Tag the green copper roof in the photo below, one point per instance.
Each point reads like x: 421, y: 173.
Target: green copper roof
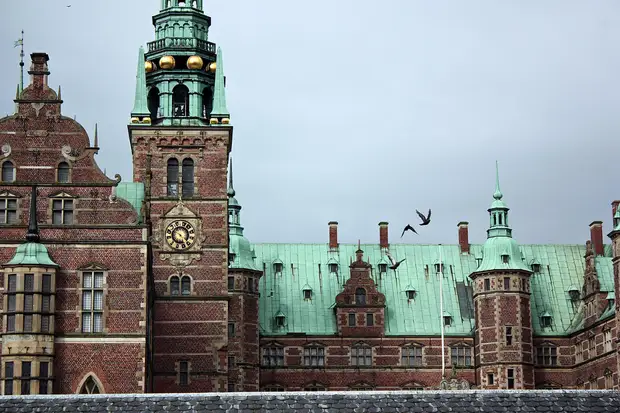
x: 561, y: 267
x: 219, y: 93
x: 243, y: 257
x: 140, y: 107
x: 132, y: 192
x: 31, y: 253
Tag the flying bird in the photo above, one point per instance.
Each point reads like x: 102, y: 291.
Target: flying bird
x: 410, y: 228
x: 395, y: 263
x: 425, y: 219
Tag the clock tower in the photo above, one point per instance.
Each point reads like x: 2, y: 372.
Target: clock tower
x: 181, y: 136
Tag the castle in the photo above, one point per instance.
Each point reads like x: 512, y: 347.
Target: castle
x: 151, y: 285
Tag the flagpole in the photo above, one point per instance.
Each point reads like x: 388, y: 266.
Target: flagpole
x: 443, y: 356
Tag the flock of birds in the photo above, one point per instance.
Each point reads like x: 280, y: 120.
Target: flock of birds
x: 426, y: 219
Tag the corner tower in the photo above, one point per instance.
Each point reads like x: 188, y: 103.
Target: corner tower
x: 502, y: 307
x: 180, y: 150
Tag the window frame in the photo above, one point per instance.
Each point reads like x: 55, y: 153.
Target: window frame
x: 308, y: 357
x: 360, y: 296
x: 363, y: 353
x: 183, y: 372
x: 95, y: 290
x: 8, y: 377
x: 412, y: 356
x: 547, y: 355
x: 508, y: 335
x: 510, y: 378
x: 8, y: 214
x: 370, y: 319
x: 467, y: 354
x: 172, y: 178
x: 188, y: 183
x: 67, y: 214
x: 4, y: 169
x: 272, y: 356
x: 68, y: 171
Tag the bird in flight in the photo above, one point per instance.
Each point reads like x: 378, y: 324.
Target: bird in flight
x: 69, y: 5
x: 425, y: 219
x: 395, y: 263
x: 408, y: 228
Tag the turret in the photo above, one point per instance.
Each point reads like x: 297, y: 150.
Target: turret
x: 29, y: 293
x: 502, y: 306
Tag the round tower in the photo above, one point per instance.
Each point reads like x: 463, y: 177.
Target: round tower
x: 503, y: 331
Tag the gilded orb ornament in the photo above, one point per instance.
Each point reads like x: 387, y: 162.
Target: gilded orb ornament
x: 167, y: 62
x: 149, y: 66
x: 195, y: 63
x: 212, y: 67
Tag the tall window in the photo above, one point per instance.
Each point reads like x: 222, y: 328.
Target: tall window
x: 180, y: 101
x: 62, y: 212
x: 63, y: 172
x: 188, y: 178
x: 186, y: 285
x: 370, y: 320
x: 43, y: 377
x: 314, y: 356
x: 361, y: 355
x: 25, y: 377
x: 180, y: 285
x: 508, y: 330
x: 506, y: 283
x: 608, y: 340
x: 547, y: 356
x: 579, y: 353
x: 411, y: 356
x: 360, y: 296
x: 351, y: 320
x: 461, y: 356
x: 183, y: 373
x: 90, y: 386
x: 8, y: 211
x: 46, y: 306
x: 510, y: 376
x: 11, y: 298
x: 153, y: 103
x: 207, y: 102
x: 8, y: 378
x: 173, y: 177
x: 92, y: 302
x: 8, y: 172
x: 231, y: 330
x: 273, y: 356
x: 28, y: 301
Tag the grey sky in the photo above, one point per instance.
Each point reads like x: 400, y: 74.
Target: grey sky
x: 362, y: 111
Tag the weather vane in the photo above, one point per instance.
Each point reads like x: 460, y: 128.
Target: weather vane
x: 20, y: 42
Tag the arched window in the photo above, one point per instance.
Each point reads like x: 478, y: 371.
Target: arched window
x: 8, y: 172
x: 90, y: 386
x: 188, y: 178
x: 360, y: 296
x: 153, y: 103
x: 63, y: 172
x: 180, y: 101
x: 173, y: 177
x: 186, y: 285
x: 207, y: 102
x: 174, y: 285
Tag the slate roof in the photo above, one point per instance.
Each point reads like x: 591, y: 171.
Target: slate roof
x: 335, y: 402
x: 561, y: 267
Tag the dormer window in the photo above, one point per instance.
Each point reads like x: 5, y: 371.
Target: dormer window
x: 574, y: 293
x: 478, y: 261
x: 277, y: 267
x: 505, y: 258
x: 439, y: 268
x: 535, y: 266
x: 64, y: 173
x: 383, y: 268
x: 410, y: 293
x: 333, y: 267
x: 307, y: 292
x: 447, y: 320
x: 280, y: 320
x: 545, y: 320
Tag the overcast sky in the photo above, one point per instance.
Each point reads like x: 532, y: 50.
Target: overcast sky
x: 362, y: 111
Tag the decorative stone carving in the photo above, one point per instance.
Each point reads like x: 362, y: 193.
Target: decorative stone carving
x: 69, y: 153
x: 37, y: 106
x: 6, y: 150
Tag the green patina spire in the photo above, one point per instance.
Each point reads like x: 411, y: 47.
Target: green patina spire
x: 219, y: 94
x: 240, y: 248
x: 140, y: 107
x: 32, y: 252
x: 500, y: 251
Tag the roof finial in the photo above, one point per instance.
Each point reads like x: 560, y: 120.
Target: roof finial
x: 17, y: 93
x: 20, y: 42
x: 140, y: 107
x: 220, y: 110
x: 96, y: 136
x: 59, y: 93
x: 33, y: 228
x: 231, y: 190
x: 498, y: 193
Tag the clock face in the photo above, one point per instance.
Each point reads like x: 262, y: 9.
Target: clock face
x: 180, y: 234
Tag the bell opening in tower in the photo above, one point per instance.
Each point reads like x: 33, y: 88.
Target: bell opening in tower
x: 207, y: 102
x: 153, y: 103
x: 180, y: 101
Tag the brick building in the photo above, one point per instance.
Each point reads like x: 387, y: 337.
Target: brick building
x: 151, y: 285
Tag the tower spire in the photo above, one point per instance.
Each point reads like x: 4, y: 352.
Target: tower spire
x: 33, y: 227
x: 96, y: 143
x: 498, y: 193
x: 220, y: 110
x: 20, y: 42
x: 498, y: 212
x: 231, y: 190
x: 140, y: 112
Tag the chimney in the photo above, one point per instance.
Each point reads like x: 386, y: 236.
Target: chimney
x: 463, y: 237
x: 333, y: 235
x: 596, y: 236
x: 38, y: 69
x: 614, y: 208
x: 383, y: 235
